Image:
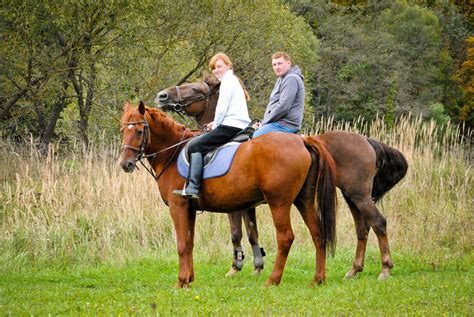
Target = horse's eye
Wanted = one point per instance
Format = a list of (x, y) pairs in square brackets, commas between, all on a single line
[(196, 90), (139, 132)]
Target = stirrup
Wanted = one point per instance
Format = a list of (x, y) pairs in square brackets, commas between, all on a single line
[(192, 196), (182, 193), (179, 192)]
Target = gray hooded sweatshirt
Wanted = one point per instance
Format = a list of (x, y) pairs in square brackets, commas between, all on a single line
[(287, 100)]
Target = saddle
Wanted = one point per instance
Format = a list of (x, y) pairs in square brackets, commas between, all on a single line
[(245, 135), (218, 161)]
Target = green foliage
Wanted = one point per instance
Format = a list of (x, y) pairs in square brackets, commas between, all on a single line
[(390, 116), (388, 57), (438, 114), (359, 58), (95, 55), (465, 76)]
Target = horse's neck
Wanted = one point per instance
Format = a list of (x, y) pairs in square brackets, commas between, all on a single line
[(166, 133), (208, 114)]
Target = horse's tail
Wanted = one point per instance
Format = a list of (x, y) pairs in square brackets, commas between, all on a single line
[(391, 168), (326, 190)]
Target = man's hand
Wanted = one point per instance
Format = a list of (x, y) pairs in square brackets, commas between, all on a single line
[(256, 124)]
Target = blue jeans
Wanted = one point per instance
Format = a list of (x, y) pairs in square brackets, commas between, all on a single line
[(273, 127)]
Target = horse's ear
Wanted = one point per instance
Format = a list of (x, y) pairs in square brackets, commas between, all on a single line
[(210, 80), (126, 106), (206, 77), (141, 108)]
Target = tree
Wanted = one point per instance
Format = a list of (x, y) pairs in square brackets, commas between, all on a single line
[(51, 50), (465, 77), (455, 30), (93, 27), (248, 32), (32, 61), (381, 57)]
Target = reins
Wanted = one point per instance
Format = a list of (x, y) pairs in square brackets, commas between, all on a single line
[(149, 169)]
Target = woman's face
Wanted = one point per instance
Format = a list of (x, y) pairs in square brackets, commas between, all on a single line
[(220, 68)]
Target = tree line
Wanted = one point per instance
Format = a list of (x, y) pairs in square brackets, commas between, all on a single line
[(67, 66)]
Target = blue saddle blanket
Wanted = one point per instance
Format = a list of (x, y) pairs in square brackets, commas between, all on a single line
[(219, 164)]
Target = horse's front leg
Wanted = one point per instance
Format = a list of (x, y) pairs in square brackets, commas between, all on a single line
[(184, 221), (285, 237), (235, 222)]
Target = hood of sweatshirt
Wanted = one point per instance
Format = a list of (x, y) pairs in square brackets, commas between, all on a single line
[(294, 70)]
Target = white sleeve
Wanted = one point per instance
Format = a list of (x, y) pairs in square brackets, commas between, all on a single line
[(223, 103)]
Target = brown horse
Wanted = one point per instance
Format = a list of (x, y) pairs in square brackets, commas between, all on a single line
[(366, 169), (279, 169)]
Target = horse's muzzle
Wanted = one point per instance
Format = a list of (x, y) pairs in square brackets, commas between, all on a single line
[(128, 165), (161, 97)]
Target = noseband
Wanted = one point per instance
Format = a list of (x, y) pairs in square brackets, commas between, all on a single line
[(178, 107)]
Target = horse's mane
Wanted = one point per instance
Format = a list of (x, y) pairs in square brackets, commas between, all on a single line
[(168, 125)]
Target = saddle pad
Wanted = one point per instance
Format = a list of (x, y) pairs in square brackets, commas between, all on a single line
[(218, 166)]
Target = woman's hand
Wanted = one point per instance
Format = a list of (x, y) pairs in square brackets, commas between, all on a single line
[(208, 126)]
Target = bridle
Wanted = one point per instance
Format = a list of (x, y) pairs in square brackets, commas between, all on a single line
[(180, 104), (141, 150)]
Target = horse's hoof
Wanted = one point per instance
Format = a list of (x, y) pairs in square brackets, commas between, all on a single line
[(180, 285), (270, 282), (257, 271), (351, 274), (385, 274), (318, 281), (232, 272)]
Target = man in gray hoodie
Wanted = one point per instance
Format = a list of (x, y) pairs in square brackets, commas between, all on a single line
[(284, 112)]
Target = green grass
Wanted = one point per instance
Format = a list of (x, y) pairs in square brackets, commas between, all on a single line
[(145, 286)]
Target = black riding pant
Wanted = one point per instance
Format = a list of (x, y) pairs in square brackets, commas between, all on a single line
[(210, 140)]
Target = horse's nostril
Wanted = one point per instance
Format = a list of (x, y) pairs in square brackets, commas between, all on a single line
[(163, 96), (128, 166)]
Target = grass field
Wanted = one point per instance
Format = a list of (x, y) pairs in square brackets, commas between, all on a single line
[(144, 287), (79, 236)]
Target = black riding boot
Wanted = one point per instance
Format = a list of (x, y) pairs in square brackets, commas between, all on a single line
[(193, 182)]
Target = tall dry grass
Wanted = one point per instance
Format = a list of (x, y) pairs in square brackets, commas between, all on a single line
[(80, 208)]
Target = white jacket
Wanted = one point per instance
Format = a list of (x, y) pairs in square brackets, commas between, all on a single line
[(231, 109)]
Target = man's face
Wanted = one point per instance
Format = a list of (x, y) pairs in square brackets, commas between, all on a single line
[(280, 66)]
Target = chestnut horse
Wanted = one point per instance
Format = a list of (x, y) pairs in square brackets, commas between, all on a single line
[(366, 169), (278, 169)]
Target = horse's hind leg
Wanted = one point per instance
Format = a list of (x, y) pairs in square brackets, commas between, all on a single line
[(250, 221), (362, 231), (311, 219), (235, 221), (373, 218)]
